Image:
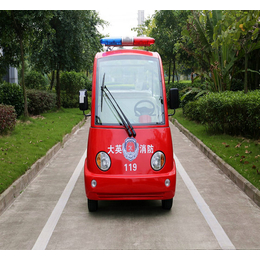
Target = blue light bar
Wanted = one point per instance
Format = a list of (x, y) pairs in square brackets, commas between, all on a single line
[(127, 41), (111, 41)]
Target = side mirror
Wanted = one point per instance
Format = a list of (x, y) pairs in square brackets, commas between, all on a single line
[(174, 98), (83, 99)]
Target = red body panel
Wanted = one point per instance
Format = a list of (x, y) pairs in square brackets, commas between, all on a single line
[(129, 179)]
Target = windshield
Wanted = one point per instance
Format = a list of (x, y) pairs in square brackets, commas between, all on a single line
[(135, 83)]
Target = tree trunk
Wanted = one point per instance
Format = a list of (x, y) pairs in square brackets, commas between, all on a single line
[(58, 89), (176, 73), (245, 79), (169, 74), (52, 79), (173, 72), (257, 69), (26, 114)]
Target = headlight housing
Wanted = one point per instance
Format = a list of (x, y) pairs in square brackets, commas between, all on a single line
[(158, 160), (103, 161)]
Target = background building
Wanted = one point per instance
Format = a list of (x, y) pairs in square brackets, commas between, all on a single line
[(140, 17), (11, 75)]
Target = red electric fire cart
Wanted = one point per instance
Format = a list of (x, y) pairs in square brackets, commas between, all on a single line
[(130, 154)]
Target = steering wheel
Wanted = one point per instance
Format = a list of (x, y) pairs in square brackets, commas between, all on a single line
[(144, 110)]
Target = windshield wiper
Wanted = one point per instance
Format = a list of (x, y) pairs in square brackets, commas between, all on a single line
[(128, 126), (102, 89)]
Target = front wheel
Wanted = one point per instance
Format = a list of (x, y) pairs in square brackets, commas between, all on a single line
[(167, 204), (92, 205)]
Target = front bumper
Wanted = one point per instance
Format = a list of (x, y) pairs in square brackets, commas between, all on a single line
[(130, 187)]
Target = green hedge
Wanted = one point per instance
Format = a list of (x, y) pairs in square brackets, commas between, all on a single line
[(40, 101), (228, 112), (71, 82), (35, 80), (69, 100), (12, 94), (7, 118)]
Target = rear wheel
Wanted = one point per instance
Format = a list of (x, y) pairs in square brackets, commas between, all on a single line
[(92, 205), (167, 204)]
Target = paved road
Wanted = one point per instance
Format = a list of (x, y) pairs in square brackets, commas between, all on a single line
[(209, 211)]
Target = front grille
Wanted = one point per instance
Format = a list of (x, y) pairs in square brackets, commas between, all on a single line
[(131, 196)]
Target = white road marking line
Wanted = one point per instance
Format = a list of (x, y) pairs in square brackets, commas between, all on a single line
[(50, 225), (213, 223)]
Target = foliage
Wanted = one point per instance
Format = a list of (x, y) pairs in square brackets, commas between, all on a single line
[(35, 80), (167, 32), (7, 118), (216, 61), (18, 31), (165, 27), (70, 45), (236, 84), (188, 91), (146, 27), (217, 45), (241, 30), (12, 94), (71, 83), (54, 41), (178, 85), (229, 112), (40, 101), (69, 101), (219, 40)]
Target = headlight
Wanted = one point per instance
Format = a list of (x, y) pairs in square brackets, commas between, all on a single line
[(158, 161), (103, 161)]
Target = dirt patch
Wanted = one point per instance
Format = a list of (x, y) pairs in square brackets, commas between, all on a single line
[(38, 116)]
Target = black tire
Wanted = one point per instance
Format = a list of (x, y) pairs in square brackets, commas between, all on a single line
[(92, 205), (167, 204)]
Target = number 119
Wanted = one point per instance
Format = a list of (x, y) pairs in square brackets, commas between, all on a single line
[(130, 167)]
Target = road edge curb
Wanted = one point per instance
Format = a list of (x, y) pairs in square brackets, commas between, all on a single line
[(249, 189), (17, 187)]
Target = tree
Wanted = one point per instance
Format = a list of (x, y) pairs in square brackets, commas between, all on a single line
[(167, 32), (145, 28), (165, 27), (241, 29), (216, 60), (218, 40), (70, 45), (17, 31)]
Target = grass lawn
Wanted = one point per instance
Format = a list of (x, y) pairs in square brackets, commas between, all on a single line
[(31, 140), (185, 81), (241, 153)]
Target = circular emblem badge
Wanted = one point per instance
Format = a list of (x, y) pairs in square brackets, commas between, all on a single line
[(130, 148)]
